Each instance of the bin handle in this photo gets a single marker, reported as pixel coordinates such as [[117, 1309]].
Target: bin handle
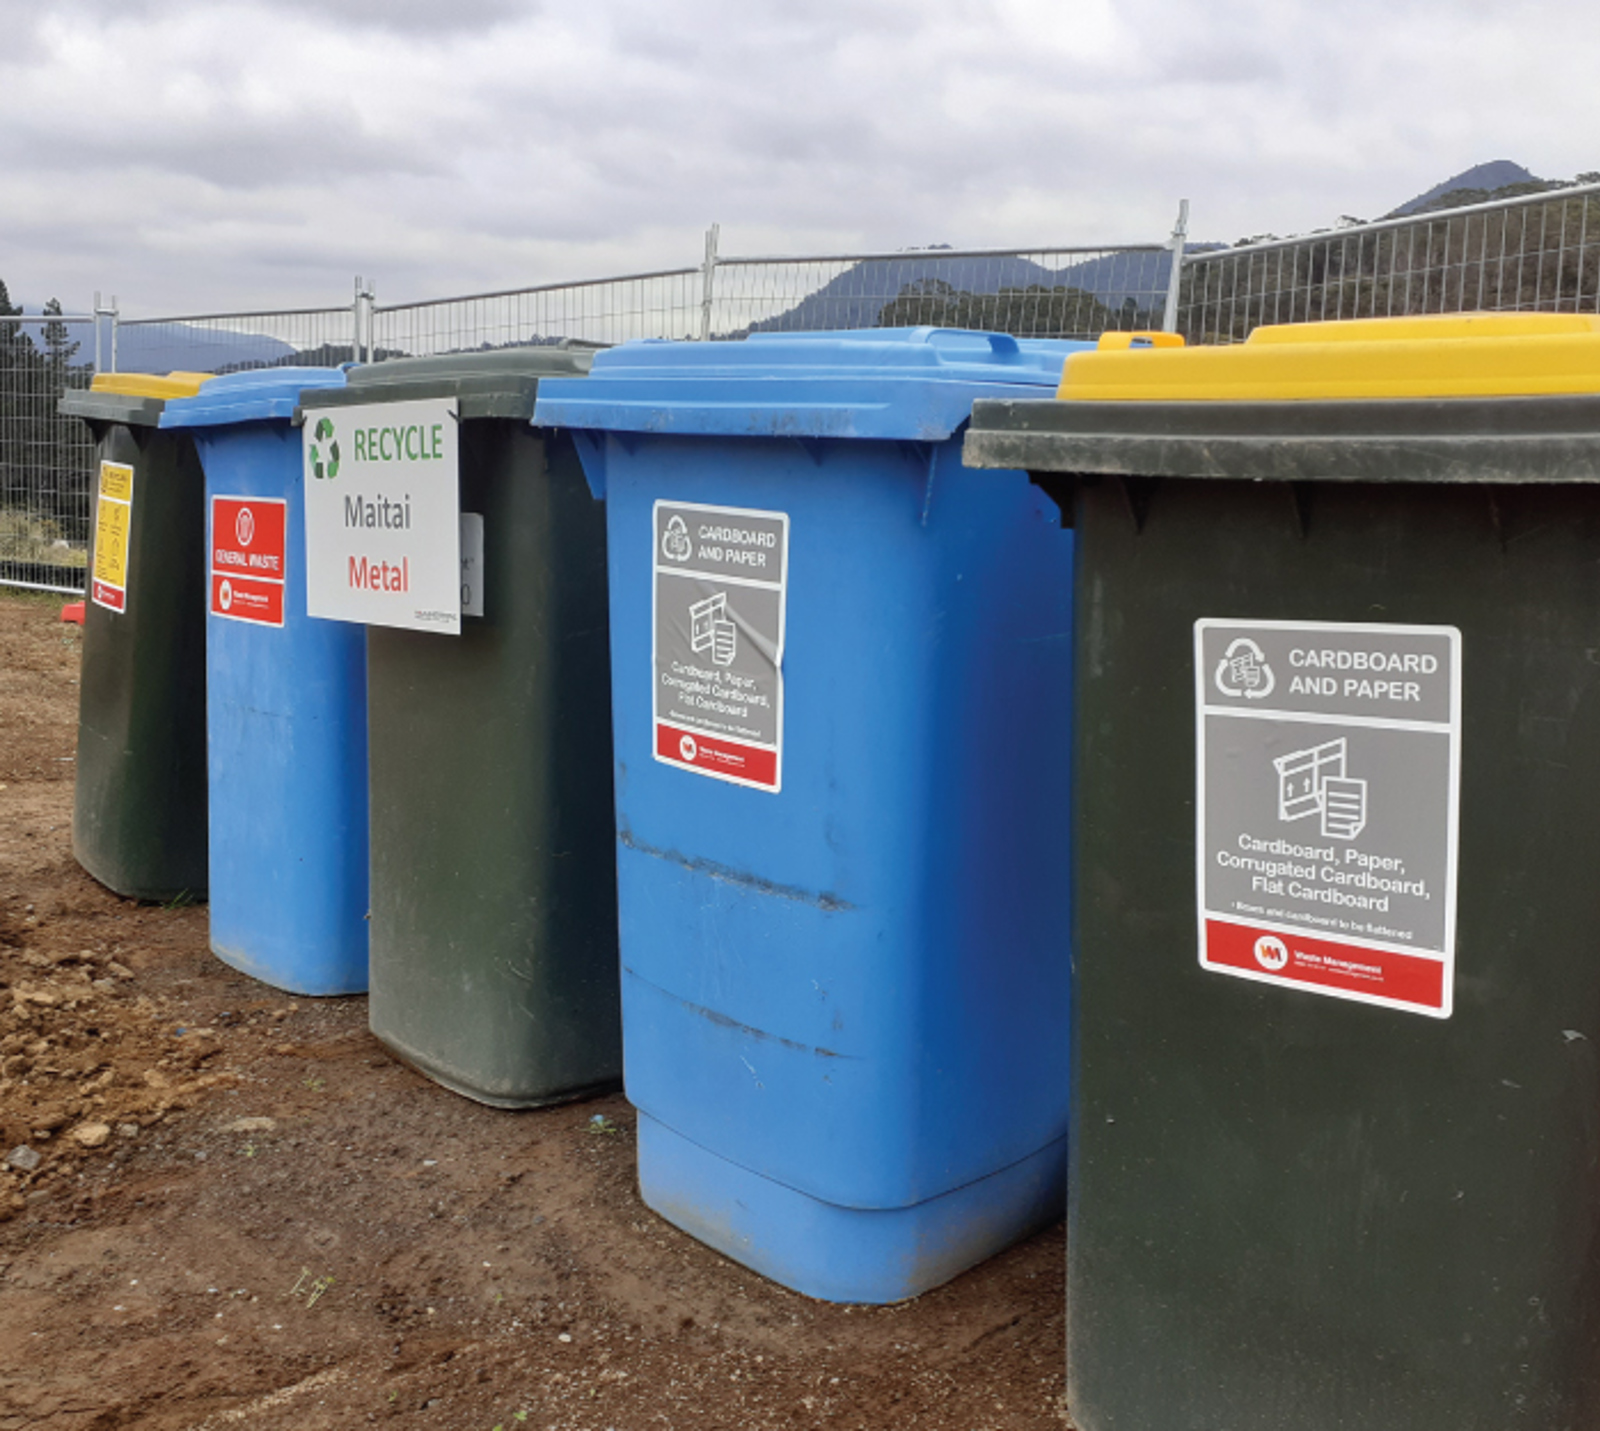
[[1110, 342], [1001, 343]]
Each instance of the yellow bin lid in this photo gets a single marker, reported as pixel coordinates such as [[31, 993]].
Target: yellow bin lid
[[150, 385], [1449, 356]]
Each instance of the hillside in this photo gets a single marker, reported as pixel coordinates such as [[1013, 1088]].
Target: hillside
[[171, 347], [923, 286], [1498, 179]]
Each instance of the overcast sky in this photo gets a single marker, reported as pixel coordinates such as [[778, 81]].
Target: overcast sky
[[192, 157]]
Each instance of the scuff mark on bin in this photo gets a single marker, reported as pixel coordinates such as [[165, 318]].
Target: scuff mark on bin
[[721, 1020], [828, 903]]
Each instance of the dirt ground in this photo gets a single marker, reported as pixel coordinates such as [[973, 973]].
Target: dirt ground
[[245, 1213]]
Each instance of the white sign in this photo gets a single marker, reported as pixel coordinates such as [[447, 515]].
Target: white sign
[[383, 506]]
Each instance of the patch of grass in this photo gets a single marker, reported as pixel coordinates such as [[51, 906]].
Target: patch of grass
[[25, 537]]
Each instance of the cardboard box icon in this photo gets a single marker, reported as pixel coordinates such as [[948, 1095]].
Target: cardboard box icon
[[1301, 776], [703, 619], [1313, 782]]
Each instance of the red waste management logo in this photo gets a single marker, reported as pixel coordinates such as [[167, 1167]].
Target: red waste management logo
[[248, 541]]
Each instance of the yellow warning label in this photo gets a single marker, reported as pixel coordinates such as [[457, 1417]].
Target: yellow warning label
[[116, 480], [111, 542]]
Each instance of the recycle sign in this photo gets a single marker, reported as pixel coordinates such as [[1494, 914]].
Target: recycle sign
[[324, 466]]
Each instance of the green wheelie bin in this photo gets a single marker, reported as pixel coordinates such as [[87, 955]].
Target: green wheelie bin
[[1336, 1104], [493, 963], [139, 809]]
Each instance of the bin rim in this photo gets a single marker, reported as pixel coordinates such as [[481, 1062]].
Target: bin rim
[[253, 395], [500, 383], [136, 399], [1515, 440]]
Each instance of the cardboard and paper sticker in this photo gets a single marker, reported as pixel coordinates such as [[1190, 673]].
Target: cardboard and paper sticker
[[383, 506], [1328, 765], [249, 541], [113, 524], [721, 579]]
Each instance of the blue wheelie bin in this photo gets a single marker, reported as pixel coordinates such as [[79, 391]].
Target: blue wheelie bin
[[286, 703], [840, 666]]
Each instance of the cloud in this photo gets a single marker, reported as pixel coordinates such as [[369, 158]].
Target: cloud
[[196, 156], [423, 17]]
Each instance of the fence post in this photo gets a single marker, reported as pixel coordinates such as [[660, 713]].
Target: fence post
[[361, 312], [708, 290], [1180, 233], [101, 310]]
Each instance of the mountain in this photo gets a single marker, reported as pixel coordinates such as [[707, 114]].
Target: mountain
[[172, 347], [856, 297], [188, 347], [1471, 186]]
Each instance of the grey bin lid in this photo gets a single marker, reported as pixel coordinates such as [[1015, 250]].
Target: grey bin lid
[[501, 383], [106, 408], [1465, 439]]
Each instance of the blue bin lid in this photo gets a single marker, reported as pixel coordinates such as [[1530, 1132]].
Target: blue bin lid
[[256, 395], [910, 384]]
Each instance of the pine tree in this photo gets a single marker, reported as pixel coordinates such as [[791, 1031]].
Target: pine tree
[[59, 345]]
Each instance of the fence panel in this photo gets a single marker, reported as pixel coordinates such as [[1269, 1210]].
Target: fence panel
[[1536, 253], [1069, 292], [1037, 293], [46, 460], [605, 311], [232, 342], [665, 304]]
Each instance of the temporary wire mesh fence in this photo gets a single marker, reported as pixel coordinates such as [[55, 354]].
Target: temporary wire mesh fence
[[1038, 293], [46, 460], [1537, 253], [1041, 293], [664, 304], [232, 342]]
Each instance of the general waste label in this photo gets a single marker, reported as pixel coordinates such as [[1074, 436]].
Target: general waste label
[[383, 506], [1328, 768], [113, 528], [249, 558], [721, 577]]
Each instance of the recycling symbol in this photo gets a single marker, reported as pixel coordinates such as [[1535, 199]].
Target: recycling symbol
[[675, 543], [324, 464], [1243, 671]]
